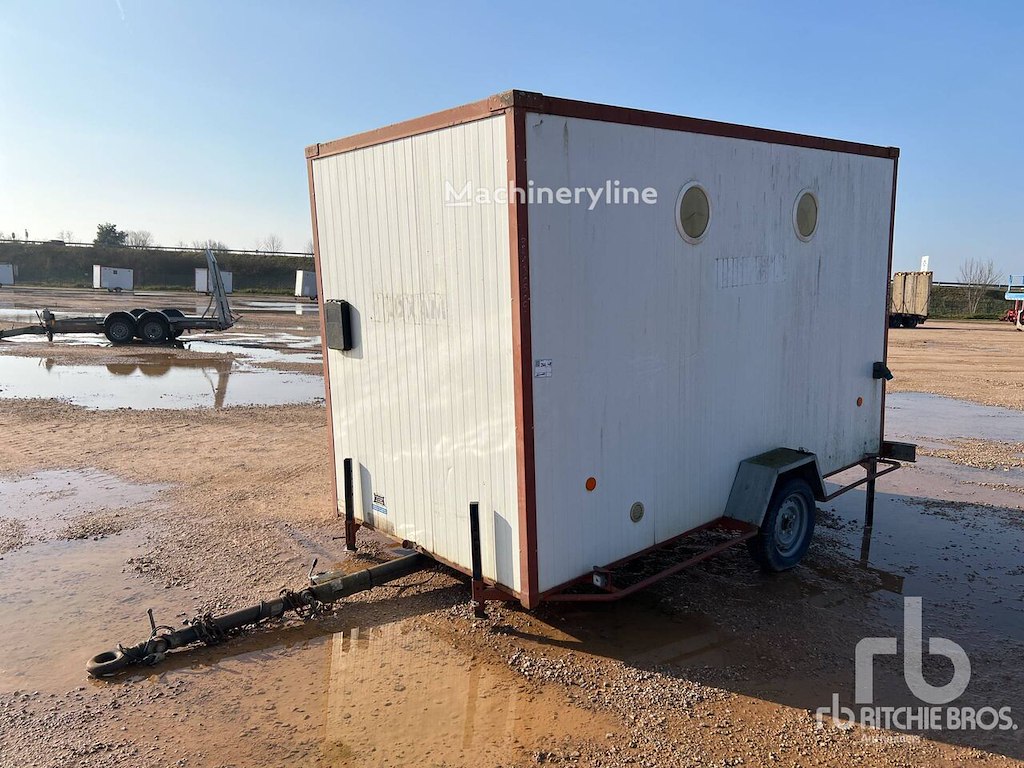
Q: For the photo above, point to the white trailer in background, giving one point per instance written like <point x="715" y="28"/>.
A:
<point x="558" y="334"/>
<point x="115" y="279"/>
<point x="204" y="282"/>
<point x="7" y="274"/>
<point x="305" y="284"/>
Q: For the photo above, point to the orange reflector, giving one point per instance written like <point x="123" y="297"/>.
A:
<point x="591" y="483"/>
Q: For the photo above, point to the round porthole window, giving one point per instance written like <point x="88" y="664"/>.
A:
<point x="693" y="212"/>
<point x="805" y="215"/>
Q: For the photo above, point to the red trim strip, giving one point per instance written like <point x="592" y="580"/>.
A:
<point x="888" y="274"/>
<point x="535" y="102"/>
<point x="323" y="338"/>
<point x="526" y="101"/>
<point x="432" y="122"/>
<point x="522" y="352"/>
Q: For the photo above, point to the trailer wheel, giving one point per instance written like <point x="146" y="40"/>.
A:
<point x="910" y="322"/>
<point x="139" y="312"/>
<point x="153" y="328"/>
<point x="787" y="527"/>
<point x="177" y="314"/>
<point x="119" y="327"/>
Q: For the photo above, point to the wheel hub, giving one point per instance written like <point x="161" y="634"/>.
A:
<point x="790" y="524"/>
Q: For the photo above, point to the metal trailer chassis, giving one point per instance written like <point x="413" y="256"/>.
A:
<point x="151" y="326"/>
<point x="754" y="497"/>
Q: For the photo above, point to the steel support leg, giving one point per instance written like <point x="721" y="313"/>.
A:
<point x="350" y="509"/>
<point x="869" y="495"/>
<point x="478" y="566"/>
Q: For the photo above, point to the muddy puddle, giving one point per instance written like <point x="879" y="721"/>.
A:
<point x="963" y="557"/>
<point x="257" y="351"/>
<point x="919" y="414"/>
<point x="288" y="307"/>
<point x="440" y="705"/>
<point x="64" y="591"/>
<point x="162" y="381"/>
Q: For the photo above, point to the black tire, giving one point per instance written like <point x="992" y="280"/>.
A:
<point x="139" y="312"/>
<point x="119" y="327"/>
<point x="910" y="322"/>
<point x="171" y="312"/>
<point x="787" y="527"/>
<point x="894" y="321"/>
<point x="153" y="328"/>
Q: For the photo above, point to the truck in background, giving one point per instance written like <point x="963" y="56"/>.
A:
<point x="909" y="296"/>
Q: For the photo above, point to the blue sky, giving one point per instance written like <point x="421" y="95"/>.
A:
<point x="189" y="119"/>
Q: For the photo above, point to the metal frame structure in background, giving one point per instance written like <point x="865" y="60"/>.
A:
<point x="1015" y="293"/>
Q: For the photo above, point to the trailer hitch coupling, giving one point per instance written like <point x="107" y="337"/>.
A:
<point x="308" y="603"/>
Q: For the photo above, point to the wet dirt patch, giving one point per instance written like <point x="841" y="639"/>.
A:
<point x="52" y="591"/>
<point x="12" y="535"/>
<point x="981" y="454"/>
<point x="96" y="527"/>
<point x="163" y="381"/>
<point x="48" y="500"/>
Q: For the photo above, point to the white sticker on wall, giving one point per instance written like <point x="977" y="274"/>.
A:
<point x="542" y="369"/>
<point x="379" y="506"/>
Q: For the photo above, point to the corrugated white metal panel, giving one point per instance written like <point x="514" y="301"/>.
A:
<point x="672" y="362"/>
<point x="424" y="403"/>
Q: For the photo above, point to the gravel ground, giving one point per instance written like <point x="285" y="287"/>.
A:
<point x="720" y="665"/>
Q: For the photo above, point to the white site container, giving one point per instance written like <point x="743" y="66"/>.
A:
<point x="512" y="353"/>
<point x="113" y="278"/>
<point x="204" y="285"/>
<point x="305" y="284"/>
<point x="7" y="274"/>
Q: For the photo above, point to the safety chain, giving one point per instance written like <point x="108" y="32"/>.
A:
<point x="305" y="603"/>
<point x="206" y="629"/>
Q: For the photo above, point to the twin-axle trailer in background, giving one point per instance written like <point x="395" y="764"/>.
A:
<point x="305" y="284"/>
<point x="7" y="274"/>
<point x="205" y="282"/>
<point x="115" y="279"/>
<point x="536" y="386"/>
<point x="152" y="326"/>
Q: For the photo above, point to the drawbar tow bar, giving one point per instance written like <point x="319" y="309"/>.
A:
<point x="324" y="589"/>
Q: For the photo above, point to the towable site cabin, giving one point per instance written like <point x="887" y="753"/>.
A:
<point x="558" y="334"/>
